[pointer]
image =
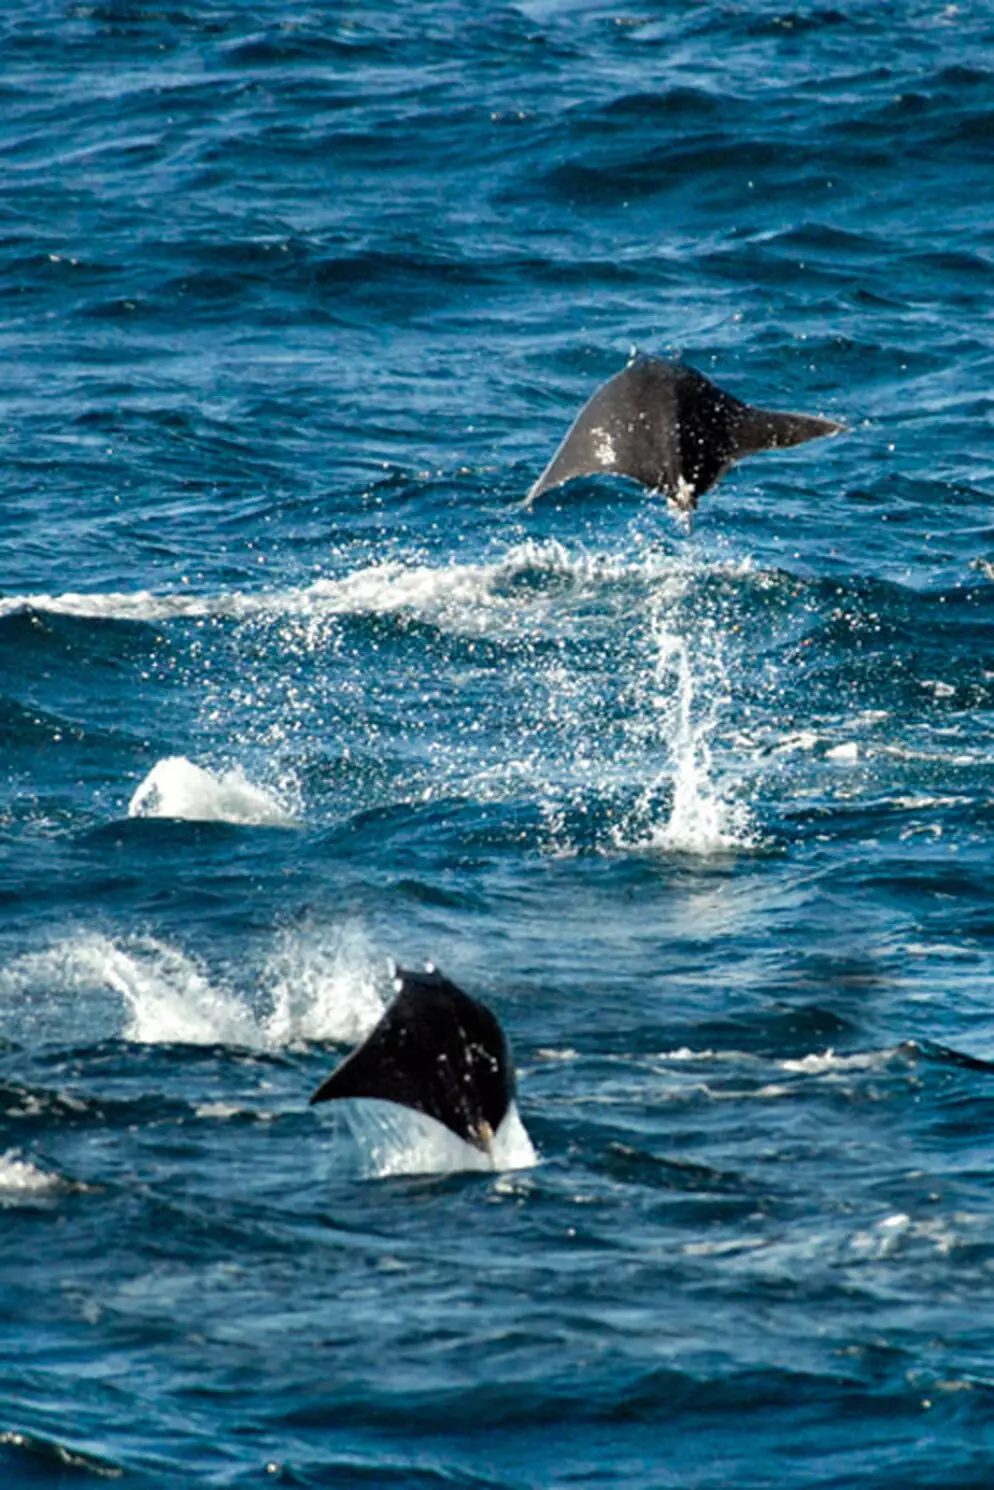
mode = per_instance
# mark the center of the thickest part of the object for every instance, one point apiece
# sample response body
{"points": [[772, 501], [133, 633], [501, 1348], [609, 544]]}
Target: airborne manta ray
{"points": [[671, 428], [437, 1051]]}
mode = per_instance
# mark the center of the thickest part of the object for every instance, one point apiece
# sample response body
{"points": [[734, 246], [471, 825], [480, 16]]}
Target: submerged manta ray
{"points": [[670, 428], [436, 1050]]}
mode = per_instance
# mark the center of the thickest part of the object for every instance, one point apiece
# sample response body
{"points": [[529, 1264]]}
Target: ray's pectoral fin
{"points": [[437, 1051], [763, 429]]}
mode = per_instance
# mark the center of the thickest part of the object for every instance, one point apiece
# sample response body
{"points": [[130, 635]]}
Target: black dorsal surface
{"points": [[436, 1050], [672, 429]]}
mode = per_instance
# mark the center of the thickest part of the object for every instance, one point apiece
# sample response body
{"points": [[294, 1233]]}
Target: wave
{"points": [[33, 1458]]}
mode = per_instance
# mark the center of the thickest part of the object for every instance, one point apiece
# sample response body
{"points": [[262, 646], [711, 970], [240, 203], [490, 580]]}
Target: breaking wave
{"points": [[20, 1179]]}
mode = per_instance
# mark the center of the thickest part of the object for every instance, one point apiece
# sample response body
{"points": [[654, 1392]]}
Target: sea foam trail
{"points": [[177, 788]]}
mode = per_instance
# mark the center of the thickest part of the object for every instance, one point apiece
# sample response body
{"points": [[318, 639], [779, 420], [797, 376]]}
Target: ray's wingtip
{"points": [[316, 1096]]}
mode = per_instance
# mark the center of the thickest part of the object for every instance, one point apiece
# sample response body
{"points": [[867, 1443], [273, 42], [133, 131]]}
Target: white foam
{"points": [[684, 1053], [221, 1111], [177, 788], [803, 740], [817, 1064], [21, 1177], [397, 1140], [463, 597], [141, 605], [429, 591]]}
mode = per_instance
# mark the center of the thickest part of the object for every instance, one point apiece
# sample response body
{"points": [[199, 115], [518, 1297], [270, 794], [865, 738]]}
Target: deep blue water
{"points": [[297, 301]]}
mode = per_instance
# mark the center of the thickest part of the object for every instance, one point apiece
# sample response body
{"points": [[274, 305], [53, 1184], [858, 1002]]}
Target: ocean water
{"points": [[297, 302]]}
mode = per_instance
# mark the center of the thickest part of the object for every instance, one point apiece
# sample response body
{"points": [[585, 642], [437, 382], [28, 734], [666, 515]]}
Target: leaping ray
{"points": [[436, 1050], [671, 428]]}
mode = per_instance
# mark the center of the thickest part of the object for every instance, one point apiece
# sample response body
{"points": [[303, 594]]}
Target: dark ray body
{"points": [[671, 428], [436, 1050]]}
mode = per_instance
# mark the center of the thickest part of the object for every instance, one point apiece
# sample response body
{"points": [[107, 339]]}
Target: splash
{"points": [[19, 1178], [396, 1140], [701, 819], [323, 989], [176, 788], [317, 986], [607, 661], [168, 996]]}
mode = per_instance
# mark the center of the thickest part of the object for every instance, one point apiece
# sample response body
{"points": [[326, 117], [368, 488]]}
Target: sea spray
{"points": [[584, 666], [323, 986], [169, 997], [684, 699]]}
